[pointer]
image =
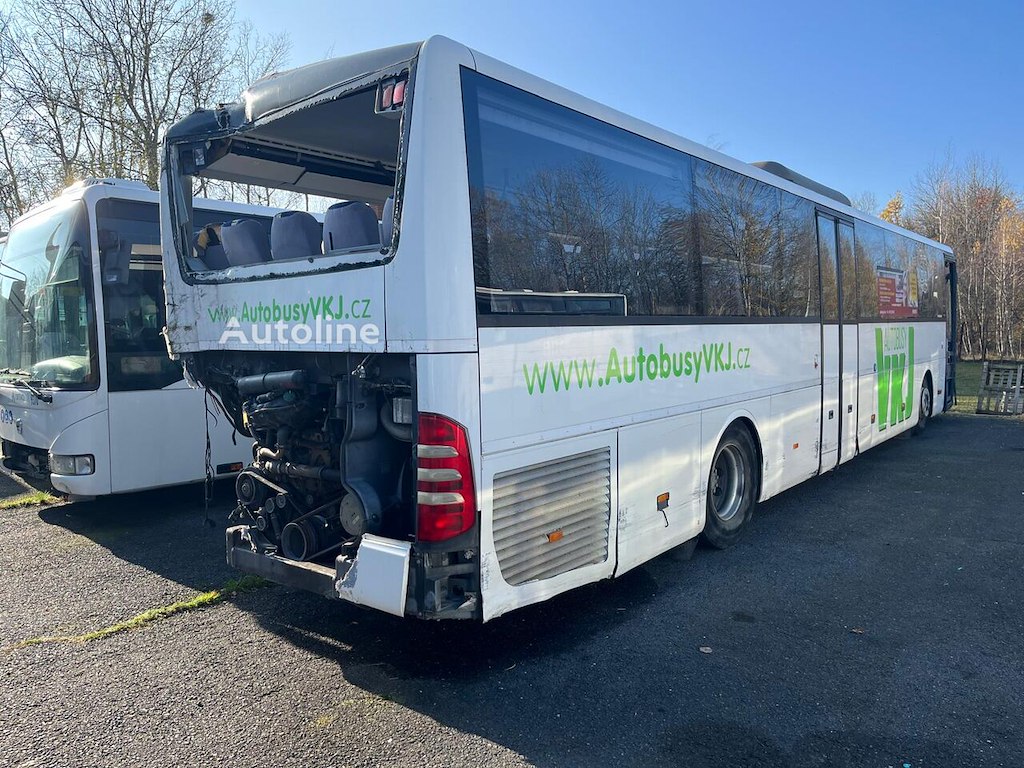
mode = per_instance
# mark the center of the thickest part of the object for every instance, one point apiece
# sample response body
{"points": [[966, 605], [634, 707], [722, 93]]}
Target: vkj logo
{"points": [[894, 372]]}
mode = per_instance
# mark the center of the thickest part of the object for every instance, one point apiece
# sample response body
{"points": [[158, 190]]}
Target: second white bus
{"points": [[90, 402]]}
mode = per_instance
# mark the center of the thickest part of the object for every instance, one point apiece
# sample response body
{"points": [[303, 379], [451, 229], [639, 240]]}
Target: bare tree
{"points": [[865, 201], [969, 206], [87, 87]]}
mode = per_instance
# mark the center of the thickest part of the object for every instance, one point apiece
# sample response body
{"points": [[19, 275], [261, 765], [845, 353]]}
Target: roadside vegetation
{"points": [[203, 600], [968, 378], [30, 499]]}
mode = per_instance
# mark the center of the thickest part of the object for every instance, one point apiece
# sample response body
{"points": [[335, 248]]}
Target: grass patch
{"points": [[968, 380], [204, 600], [30, 499]]}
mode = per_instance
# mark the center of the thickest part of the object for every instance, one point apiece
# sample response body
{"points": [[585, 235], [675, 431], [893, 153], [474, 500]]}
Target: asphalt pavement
{"points": [[871, 617]]}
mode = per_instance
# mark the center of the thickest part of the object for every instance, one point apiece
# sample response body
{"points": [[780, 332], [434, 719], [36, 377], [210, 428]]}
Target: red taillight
{"points": [[445, 498], [399, 96], [387, 96]]}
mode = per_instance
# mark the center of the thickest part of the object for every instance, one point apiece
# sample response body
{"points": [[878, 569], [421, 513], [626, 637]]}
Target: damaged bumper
{"points": [[377, 577]]}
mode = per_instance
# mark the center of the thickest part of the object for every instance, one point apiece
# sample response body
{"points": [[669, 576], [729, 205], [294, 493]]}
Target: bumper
{"points": [[377, 576], [26, 460]]}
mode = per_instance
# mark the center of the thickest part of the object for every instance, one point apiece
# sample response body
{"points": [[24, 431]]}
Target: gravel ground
{"points": [[872, 617]]}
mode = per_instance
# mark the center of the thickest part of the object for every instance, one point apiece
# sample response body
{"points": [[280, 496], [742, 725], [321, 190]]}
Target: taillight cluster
{"points": [[391, 95], [445, 496]]}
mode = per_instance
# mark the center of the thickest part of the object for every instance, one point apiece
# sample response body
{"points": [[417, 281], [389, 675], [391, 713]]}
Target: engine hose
{"points": [[269, 454], [288, 469]]}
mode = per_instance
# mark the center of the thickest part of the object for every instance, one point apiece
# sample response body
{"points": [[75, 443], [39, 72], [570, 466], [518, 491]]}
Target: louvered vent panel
{"points": [[553, 517]]}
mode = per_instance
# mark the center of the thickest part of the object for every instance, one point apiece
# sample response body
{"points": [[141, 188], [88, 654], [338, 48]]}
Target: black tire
{"points": [[732, 488], [924, 407]]}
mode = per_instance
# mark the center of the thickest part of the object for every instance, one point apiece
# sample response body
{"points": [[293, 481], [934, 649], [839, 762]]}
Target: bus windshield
{"points": [[45, 290]]}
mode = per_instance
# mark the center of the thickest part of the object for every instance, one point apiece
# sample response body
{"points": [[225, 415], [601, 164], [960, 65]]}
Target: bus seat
{"points": [[209, 250], [352, 224], [245, 241], [387, 222], [294, 235]]}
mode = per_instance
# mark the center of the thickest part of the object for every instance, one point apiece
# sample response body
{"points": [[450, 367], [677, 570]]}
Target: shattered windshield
{"points": [[45, 292]]}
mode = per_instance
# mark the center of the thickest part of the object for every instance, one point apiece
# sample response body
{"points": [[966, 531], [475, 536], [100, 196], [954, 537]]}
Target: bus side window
{"points": [[133, 297]]}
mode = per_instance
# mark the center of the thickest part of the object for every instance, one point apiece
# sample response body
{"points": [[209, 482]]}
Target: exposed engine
{"points": [[333, 454], [334, 460]]}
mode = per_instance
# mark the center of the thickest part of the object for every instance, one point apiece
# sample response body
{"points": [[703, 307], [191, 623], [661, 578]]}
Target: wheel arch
{"points": [[744, 419], [747, 423]]}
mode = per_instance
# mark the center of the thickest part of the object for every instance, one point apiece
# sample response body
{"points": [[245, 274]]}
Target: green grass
{"points": [[204, 600], [968, 379], [29, 499]]}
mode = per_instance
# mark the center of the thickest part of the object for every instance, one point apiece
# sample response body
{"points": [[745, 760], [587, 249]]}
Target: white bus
{"points": [[571, 342], [89, 399]]}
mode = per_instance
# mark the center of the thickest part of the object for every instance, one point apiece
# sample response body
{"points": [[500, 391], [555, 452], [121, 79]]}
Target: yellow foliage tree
{"points": [[893, 211]]}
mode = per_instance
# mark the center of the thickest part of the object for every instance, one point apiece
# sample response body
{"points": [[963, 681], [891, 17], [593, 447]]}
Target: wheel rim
{"points": [[926, 405], [728, 482]]}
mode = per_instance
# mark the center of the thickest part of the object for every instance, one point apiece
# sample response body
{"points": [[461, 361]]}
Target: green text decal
{"points": [[894, 372], [629, 367]]}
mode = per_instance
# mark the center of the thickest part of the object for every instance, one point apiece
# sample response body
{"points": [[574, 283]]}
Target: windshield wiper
{"points": [[43, 396]]}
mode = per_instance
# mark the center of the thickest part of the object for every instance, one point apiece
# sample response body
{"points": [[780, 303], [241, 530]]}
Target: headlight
{"points": [[71, 465]]}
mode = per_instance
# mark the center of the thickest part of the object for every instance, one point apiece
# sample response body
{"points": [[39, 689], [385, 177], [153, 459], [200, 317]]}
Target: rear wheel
{"points": [[732, 486], [924, 410]]}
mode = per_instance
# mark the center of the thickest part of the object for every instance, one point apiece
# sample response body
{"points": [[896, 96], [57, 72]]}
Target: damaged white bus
{"points": [[537, 342], [89, 400]]}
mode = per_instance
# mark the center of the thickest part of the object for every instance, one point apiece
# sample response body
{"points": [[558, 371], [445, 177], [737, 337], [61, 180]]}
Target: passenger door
{"points": [[849, 351], [831, 354]]}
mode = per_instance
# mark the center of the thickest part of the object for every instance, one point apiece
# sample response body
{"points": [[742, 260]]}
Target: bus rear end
{"points": [[342, 337]]}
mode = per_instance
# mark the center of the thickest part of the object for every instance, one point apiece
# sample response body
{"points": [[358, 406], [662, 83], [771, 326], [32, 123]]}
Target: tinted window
{"points": [[738, 226], [564, 203], [567, 206], [797, 273], [829, 282], [133, 296], [898, 286], [848, 266], [931, 267], [869, 250]]}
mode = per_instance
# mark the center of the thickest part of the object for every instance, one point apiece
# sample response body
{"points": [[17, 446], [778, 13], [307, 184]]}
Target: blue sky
{"points": [[862, 97]]}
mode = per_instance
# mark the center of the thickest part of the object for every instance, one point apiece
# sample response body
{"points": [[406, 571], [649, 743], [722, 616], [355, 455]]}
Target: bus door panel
{"points": [[849, 352], [157, 437], [547, 520], [659, 488], [848, 447], [831, 369], [831, 415], [867, 406]]}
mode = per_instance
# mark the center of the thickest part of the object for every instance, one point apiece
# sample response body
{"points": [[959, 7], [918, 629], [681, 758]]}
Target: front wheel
{"points": [[732, 488], [924, 410]]}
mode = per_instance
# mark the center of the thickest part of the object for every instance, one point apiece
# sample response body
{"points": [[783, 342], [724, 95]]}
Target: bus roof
{"points": [[283, 92], [92, 189]]}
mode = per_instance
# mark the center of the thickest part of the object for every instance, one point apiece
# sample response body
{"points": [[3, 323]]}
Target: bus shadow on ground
{"points": [[165, 531], [380, 653]]}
